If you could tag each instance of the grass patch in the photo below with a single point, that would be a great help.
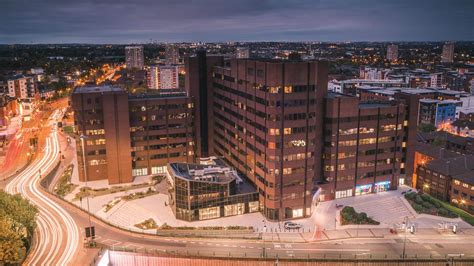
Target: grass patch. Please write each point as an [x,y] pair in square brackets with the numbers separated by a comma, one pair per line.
[147,224]
[350,216]
[456,212]
[111,204]
[64,185]
[139,195]
[87,191]
[424,203]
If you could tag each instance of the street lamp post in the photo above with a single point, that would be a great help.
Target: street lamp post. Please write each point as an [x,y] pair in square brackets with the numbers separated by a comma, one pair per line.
[405,238]
[263,236]
[83,137]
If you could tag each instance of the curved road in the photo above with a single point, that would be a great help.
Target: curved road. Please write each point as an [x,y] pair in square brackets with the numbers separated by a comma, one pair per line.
[57,233]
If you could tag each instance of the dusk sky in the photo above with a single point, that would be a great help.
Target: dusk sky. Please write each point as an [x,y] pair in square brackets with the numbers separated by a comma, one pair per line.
[129,21]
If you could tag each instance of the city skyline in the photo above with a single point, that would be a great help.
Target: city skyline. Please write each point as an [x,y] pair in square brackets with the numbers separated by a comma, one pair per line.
[210,21]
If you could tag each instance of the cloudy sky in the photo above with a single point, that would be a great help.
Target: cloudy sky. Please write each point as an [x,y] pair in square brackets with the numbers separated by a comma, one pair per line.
[128,21]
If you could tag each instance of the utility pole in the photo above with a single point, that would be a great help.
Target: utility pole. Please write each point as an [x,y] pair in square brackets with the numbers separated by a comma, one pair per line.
[405,220]
[83,137]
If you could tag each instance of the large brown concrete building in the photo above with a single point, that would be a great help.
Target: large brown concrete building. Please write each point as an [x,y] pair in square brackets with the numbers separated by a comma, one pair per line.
[363,147]
[266,123]
[128,136]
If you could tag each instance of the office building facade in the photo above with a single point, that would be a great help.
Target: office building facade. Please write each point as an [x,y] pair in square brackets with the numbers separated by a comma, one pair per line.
[128,136]
[363,147]
[267,117]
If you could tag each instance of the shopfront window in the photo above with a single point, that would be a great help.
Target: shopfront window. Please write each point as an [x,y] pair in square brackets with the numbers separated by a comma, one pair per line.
[343,193]
[364,189]
[382,186]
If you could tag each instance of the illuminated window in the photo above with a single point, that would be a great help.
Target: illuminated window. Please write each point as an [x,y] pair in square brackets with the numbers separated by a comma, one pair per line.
[288,89]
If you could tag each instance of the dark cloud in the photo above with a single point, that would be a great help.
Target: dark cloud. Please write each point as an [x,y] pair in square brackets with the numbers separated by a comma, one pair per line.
[125,21]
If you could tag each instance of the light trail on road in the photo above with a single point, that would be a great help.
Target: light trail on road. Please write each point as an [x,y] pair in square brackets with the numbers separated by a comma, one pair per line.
[58,234]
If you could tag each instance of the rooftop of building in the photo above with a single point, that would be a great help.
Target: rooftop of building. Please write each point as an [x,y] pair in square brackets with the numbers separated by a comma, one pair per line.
[160,93]
[446,101]
[434,151]
[463,124]
[460,168]
[96,89]
[443,135]
[212,170]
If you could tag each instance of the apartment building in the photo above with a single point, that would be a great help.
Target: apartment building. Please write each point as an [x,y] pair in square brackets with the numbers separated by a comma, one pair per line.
[25,89]
[163,77]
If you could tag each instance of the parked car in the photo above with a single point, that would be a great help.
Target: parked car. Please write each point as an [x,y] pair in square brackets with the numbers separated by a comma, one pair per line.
[291,225]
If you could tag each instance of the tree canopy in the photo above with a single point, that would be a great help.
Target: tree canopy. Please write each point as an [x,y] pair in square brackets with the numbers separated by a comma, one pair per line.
[17,223]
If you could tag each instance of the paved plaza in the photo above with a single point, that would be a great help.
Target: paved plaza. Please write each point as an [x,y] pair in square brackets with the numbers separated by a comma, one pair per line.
[389,208]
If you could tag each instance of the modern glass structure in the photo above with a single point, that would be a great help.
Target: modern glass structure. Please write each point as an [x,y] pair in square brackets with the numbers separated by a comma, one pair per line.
[201,192]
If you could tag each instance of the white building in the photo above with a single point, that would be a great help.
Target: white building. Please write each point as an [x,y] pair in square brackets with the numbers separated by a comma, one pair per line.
[242,52]
[25,89]
[436,80]
[163,77]
[134,57]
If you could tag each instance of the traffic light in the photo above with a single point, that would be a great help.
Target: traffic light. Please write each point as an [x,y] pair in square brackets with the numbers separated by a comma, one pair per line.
[90,231]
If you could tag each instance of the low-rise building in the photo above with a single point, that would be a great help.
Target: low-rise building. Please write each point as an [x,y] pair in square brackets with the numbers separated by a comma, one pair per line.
[437,112]
[206,191]
[450,180]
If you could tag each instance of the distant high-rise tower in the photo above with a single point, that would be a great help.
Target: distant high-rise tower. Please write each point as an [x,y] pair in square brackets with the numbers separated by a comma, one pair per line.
[134,57]
[172,54]
[448,53]
[392,52]
[242,52]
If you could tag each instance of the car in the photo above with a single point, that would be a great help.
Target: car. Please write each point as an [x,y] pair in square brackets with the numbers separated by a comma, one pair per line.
[291,225]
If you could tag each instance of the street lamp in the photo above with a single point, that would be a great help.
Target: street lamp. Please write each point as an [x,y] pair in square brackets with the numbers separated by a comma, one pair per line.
[83,137]
[263,236]
[405,221]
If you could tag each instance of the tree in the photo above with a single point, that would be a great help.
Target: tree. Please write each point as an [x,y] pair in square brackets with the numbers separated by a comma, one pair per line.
[17,224]
[12,248]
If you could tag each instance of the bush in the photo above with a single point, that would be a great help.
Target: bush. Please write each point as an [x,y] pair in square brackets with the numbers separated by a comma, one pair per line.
[427,205]
[410,195]
[417,207]
[443,212]
[418,199]
[350,216]
[425,197]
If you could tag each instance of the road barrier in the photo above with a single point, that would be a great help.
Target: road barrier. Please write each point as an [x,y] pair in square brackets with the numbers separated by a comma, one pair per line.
[123,256]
